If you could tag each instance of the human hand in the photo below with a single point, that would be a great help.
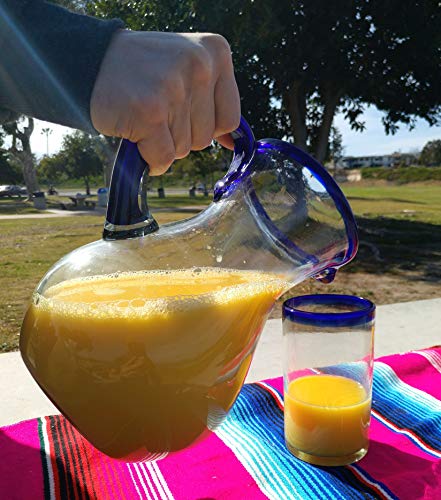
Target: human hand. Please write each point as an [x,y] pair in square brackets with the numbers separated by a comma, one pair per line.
[170,93]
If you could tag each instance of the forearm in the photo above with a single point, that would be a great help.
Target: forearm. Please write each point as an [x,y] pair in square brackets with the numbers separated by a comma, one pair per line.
[49,60]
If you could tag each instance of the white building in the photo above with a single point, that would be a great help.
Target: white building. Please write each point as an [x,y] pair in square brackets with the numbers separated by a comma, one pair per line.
[392,160]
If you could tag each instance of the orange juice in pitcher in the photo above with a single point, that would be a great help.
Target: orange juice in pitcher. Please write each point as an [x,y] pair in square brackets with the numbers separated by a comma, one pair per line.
[144,353]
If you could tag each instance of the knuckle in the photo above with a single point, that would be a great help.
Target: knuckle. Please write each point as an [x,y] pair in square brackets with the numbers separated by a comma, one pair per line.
[175,88]
[222,43]
[201,64]
[151,107]
[221,47]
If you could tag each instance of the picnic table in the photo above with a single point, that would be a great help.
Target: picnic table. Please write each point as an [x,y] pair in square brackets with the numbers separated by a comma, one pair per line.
[246,458]
[81,201]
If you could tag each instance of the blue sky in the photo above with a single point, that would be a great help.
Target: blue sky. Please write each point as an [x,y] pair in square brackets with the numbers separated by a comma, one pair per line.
[372,141]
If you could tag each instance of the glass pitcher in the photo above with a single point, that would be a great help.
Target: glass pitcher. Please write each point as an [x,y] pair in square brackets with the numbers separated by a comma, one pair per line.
[144,338]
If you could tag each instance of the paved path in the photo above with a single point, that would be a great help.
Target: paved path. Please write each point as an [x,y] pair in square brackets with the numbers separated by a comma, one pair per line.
[100,211]
[400,328]
[48,214]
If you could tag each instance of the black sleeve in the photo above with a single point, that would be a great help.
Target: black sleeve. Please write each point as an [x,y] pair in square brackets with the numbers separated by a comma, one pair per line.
[49,60]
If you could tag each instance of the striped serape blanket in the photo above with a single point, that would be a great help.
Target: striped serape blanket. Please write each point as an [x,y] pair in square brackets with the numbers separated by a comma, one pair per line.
[246,458]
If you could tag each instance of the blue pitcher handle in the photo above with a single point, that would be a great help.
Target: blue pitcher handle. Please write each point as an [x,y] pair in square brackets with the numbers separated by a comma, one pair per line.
[128,218]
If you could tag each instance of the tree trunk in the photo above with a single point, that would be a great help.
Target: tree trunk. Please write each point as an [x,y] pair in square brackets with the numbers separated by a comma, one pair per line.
[86,181]
[331,102]
[29,173]
[25,156]
[295,101]
[296,105]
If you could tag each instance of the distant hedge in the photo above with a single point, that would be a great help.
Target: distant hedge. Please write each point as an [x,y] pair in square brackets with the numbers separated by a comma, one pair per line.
[402,175]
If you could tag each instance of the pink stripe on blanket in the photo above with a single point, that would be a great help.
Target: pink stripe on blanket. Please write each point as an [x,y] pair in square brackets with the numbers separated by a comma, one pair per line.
[400,465]
[20,458]
[277,383]
[213,471]
[393,459]
[416,370]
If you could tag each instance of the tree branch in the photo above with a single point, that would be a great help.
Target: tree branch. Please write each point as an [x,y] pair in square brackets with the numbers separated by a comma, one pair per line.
[30,128]
[25,136]
[13,149]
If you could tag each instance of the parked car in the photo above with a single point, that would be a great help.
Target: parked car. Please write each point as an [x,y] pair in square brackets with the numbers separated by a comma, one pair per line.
[12,191]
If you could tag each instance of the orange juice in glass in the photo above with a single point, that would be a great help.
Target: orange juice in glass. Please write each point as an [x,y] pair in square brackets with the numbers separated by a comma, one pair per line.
[328,377]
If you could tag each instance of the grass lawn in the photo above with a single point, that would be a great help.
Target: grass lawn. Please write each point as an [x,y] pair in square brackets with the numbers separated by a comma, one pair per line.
[399,257]
[28,248]
[12,206]
[172,201]
[20,206]
[412,202]
[16,206]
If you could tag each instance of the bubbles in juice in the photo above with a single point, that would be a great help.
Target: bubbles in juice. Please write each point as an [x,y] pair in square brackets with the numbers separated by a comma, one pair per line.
[144,363]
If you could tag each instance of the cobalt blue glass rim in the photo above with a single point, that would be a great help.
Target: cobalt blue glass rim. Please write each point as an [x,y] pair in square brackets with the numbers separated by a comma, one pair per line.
[364,314]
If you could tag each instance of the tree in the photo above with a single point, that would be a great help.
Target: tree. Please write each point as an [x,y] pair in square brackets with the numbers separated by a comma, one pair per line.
[52,168]
[106,148]
[335,147]
[298,62]
[431,154]
[203,165]
[20,132]
[315,58]
[78,157]
[10,172]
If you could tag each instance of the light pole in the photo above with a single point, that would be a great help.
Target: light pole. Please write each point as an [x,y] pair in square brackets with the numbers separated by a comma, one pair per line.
[47,132]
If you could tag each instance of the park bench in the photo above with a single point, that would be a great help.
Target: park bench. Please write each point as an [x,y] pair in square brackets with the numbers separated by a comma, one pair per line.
[90,204]
[66,206]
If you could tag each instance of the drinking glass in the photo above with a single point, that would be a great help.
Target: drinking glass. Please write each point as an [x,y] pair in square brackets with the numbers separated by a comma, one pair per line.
[328,366]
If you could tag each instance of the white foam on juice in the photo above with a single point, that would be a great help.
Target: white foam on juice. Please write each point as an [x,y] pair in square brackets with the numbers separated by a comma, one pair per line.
[58,298]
